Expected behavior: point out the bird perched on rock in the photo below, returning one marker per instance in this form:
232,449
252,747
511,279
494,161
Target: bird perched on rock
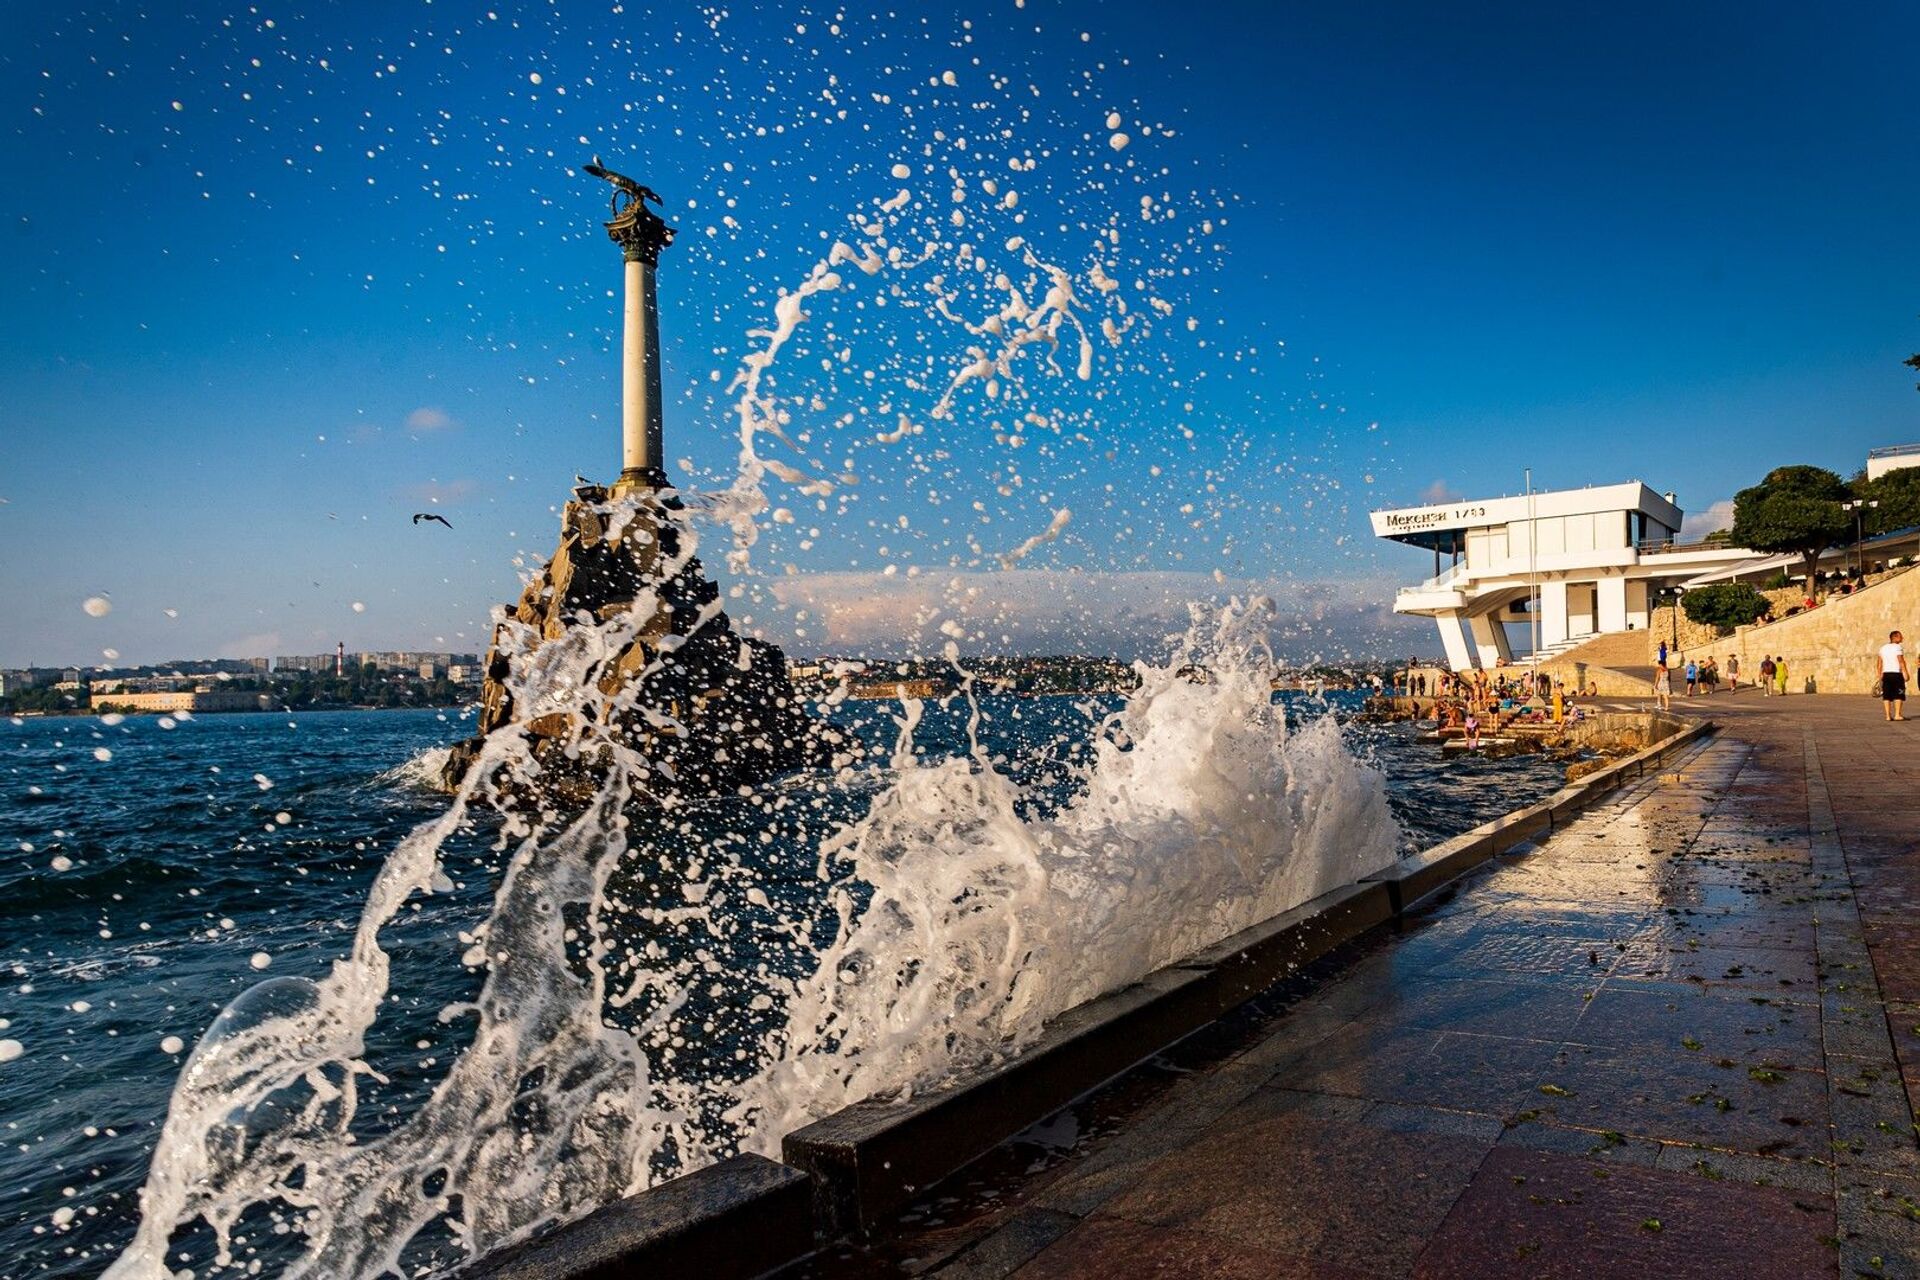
418,516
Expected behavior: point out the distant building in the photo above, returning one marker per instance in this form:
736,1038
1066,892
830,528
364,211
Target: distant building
195,700
1893,457
17,681
1593,559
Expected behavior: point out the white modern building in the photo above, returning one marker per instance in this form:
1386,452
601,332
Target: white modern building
1595,559
1893,457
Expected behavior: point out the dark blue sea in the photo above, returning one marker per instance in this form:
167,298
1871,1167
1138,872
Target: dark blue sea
152,873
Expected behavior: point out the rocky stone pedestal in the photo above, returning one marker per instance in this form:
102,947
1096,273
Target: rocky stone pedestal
708,709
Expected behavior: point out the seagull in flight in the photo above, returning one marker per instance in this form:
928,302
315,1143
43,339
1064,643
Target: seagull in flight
418,516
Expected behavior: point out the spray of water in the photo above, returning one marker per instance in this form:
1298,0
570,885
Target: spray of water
1200,814
952,918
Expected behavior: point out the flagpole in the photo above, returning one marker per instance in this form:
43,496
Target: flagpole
1533,582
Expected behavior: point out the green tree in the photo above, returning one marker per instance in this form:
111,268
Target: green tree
1898,493
1796,511
1725,605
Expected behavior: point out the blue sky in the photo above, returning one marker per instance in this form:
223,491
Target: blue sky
282,276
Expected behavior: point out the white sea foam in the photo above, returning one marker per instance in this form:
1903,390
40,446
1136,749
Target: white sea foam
1202,814
423,770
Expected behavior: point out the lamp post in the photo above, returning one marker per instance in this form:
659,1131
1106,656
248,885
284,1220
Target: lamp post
1672,596
1859,507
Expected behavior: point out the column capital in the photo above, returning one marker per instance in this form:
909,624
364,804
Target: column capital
639,231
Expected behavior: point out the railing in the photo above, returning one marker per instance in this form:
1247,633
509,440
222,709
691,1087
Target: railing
1441,581
1893,451
1657,546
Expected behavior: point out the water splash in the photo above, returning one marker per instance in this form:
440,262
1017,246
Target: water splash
945,920
953,928
1199,815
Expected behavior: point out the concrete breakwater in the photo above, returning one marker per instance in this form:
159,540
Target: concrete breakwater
848,1172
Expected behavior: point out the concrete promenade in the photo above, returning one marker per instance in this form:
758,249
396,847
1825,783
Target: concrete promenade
1681,1037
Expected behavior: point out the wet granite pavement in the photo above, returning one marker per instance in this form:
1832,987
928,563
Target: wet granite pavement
1681,1036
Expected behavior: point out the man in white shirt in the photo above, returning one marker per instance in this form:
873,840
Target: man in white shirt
1893,677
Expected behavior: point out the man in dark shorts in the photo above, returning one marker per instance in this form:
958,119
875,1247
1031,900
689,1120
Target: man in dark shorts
1893,677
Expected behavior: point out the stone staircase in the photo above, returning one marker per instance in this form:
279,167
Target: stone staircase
1620,663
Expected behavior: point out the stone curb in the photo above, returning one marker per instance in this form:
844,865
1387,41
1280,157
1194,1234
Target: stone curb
734,1220
869,1159
848,1172
1239,967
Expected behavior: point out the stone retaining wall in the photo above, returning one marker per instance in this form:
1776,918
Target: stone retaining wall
1835,645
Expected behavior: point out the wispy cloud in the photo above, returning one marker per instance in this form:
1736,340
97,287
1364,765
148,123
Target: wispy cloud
429,418
1439,491
1059,611
1716,517
263,644
442,493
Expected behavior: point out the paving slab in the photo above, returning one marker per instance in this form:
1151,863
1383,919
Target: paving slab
1534,1214
1678,1036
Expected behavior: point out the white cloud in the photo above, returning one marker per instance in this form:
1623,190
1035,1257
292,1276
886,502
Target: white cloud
263,644
1059,611
1437,492
1716,517
428,418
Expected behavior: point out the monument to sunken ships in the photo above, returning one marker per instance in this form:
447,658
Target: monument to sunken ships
709,709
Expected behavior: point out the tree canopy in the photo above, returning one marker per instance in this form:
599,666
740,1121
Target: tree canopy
1898,493
1725,605
1795,510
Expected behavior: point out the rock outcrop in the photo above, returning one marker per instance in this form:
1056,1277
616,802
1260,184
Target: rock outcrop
707,709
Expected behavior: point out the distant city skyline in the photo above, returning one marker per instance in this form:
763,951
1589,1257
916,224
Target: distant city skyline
281,281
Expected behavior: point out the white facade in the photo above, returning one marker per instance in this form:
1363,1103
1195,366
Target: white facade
1593,558
1891,458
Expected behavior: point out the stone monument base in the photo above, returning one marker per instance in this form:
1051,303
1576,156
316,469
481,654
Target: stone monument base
707,709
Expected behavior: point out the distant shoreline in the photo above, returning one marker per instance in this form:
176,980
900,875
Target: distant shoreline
87,712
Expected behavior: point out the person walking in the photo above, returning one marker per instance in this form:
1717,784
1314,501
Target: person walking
1766,676
1780,675
1893,677
1733,673
1663,687
1662,660
1693,677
